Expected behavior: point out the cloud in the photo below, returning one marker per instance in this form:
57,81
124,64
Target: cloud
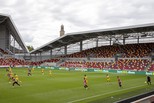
27,38
126,13
38,21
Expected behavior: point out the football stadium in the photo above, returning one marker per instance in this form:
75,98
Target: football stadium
96,66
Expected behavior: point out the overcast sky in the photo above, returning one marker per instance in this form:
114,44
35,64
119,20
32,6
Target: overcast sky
38,21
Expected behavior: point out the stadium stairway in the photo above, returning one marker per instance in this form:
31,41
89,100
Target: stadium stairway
48,64
61,61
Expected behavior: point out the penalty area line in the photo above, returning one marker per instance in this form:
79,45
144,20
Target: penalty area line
104,94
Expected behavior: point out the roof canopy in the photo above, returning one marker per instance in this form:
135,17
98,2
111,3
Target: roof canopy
14,31
72,38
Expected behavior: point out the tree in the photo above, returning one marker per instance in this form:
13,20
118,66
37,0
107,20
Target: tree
30,48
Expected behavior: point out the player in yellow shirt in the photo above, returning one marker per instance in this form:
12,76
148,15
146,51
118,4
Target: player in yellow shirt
86,79
15,81
107,78
10,75
10,69
85,82
42,71
50,73
16,77
33,69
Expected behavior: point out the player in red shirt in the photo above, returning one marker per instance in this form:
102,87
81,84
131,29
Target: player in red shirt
119,81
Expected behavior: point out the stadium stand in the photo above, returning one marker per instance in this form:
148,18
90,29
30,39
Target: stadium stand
129,51
121,64
134,57
12,61
131,64
20,62
151,67
134,51
81,64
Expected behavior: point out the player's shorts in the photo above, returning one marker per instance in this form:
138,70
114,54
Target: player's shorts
108,79
85,86
120,84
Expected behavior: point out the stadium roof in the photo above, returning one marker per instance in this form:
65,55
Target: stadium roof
14,31
71,38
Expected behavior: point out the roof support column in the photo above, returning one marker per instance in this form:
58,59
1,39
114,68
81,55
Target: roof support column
10,44
30,56
35,57
51,53
97,42
124,40
138,39
80,46
24,55
65,50
110,40
40,56
14,46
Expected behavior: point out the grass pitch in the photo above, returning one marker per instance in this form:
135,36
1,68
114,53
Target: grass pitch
67,87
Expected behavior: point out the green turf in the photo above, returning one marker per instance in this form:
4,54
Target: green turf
67,86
